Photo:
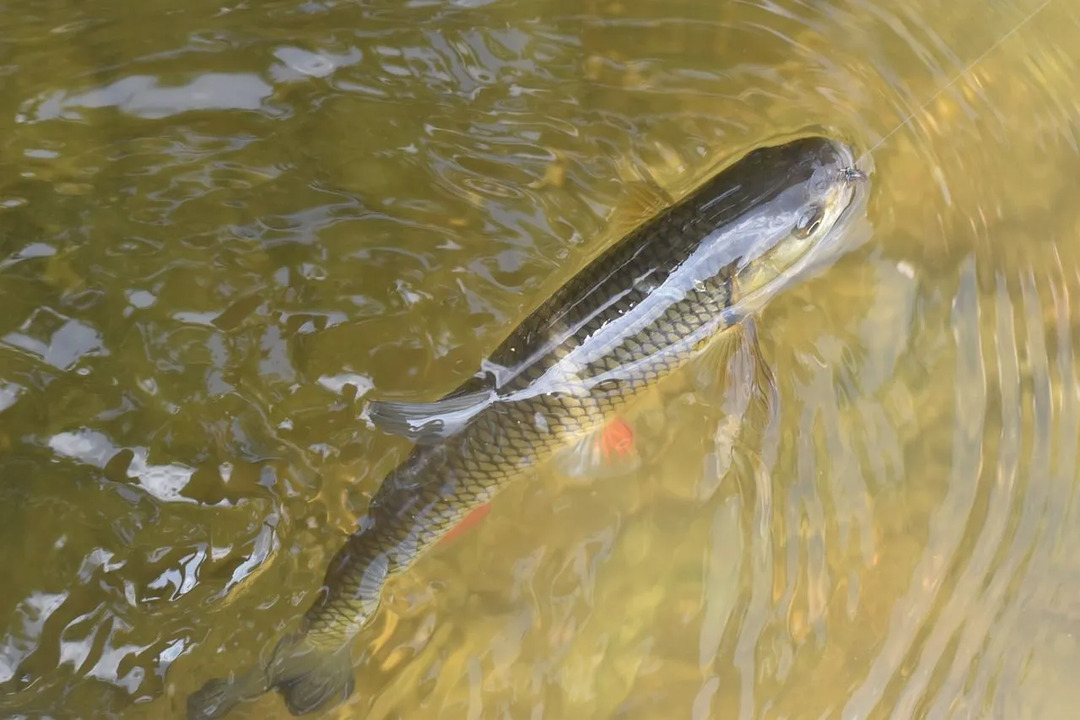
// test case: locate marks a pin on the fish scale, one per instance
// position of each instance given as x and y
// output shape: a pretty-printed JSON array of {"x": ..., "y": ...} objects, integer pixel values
[{"x": 636, "y": 313}]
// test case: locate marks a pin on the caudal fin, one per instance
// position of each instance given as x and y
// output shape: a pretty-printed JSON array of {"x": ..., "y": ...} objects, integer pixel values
[
  {"x": 310, "y": 678},
  {"x": 218, "y": 697}
]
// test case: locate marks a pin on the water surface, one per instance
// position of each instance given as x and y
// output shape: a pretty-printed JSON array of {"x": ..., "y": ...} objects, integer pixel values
[{"x": 224, "y": 226}]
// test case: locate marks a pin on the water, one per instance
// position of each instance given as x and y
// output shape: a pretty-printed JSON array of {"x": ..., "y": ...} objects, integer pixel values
[{"x": 223, "y": 226}]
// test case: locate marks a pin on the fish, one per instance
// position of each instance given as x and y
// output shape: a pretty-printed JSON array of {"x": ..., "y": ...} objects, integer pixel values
[{"x": 641, "y": 310}]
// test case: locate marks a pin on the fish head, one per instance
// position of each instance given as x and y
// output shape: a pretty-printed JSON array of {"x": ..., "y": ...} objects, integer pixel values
[{"x": 804, "y": 208}]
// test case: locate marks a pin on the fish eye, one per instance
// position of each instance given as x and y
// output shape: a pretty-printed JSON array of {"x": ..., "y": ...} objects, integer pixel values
[{"x": 808, "y": 223}]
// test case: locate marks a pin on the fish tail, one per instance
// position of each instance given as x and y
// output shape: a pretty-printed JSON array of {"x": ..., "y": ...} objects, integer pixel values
[
  {"x": 309, "y": 677},
  {"x": 219, "y": 696}
]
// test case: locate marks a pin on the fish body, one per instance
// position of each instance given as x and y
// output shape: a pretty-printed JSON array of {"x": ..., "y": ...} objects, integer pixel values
[{"x": 636, "y": 313}]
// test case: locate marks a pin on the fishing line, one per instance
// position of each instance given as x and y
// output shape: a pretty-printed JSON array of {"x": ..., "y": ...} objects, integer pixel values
[{"x": 966, "y": 71}]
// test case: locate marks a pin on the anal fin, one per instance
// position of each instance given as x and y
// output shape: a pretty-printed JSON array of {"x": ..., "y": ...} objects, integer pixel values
[{"x": 474, "y": 516}]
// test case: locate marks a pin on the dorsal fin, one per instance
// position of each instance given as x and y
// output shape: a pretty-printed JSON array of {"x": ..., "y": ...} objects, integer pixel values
[{"x": 427, "y": 423}]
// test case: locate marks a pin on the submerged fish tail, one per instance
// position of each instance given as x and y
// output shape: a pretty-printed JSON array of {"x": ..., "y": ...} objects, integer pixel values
[
  {"x": 219, "y": 696},
  {"x": 310, "y": 677}
]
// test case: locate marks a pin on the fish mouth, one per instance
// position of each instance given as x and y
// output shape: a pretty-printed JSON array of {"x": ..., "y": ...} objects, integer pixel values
[
  {"x": 853, "y": 175},
  {"x": 850, "y": 172},
  {"x": 853, "y": 178}
]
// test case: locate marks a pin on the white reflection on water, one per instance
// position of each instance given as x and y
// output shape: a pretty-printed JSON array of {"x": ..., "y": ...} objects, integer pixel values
[
  {"x": 32, "y": 613},
  {"x": 162, "y": 481},
  {"x": 143, "y": 96}
]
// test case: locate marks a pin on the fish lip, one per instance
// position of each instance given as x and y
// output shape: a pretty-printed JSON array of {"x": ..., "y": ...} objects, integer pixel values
[
  {"x": 853, "y": 175},
  {"x": 850, "y": 172}
]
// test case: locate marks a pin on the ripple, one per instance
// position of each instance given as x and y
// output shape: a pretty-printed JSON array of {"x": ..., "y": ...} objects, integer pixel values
[
  {"x": 59, "y": 341},
  {"x": 32, "y": 614},
  {"x": 946, "y": 644},
  {"x": 144, "y": 97},
  {"x": 165, "y": 482}
]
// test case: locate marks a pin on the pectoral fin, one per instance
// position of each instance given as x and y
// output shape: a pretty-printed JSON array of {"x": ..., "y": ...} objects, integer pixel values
[
  {"x": 732, "y": 345},
  {"x": 745, "y": 374}
]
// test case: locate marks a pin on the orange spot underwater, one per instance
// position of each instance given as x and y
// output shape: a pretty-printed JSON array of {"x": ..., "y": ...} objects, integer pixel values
[
  {"x": 475, "y": 516},
  {"x": 617, "y": 438}
]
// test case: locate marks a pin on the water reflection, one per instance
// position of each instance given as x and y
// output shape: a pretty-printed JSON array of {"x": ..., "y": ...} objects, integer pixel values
[{"x": 142, "y": 96}]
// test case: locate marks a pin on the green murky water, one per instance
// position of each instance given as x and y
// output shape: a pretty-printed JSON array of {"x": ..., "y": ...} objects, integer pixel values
[{"x": 224, "y": 226}]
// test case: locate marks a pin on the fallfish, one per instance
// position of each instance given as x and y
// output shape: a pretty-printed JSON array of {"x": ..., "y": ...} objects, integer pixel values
[{"x": 639, "y": 311}]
